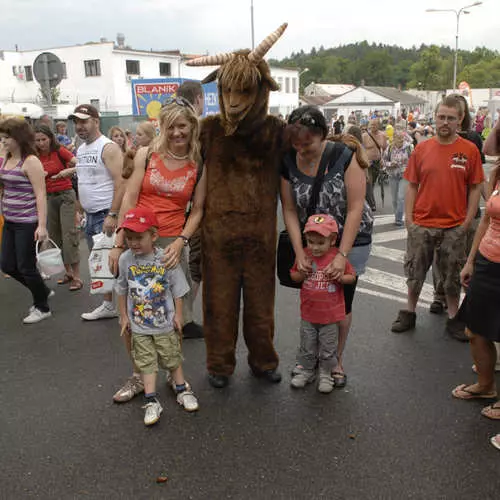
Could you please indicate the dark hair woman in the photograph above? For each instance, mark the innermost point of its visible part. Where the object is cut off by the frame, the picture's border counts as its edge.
(342, 196)
(24, 206)
(60, 165)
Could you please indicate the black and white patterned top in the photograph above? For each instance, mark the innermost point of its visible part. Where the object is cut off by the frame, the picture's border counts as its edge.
(332, 195)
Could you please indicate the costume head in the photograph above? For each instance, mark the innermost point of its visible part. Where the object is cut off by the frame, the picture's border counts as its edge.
(244, 82)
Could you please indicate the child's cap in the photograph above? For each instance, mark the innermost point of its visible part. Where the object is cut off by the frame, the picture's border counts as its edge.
(139, 220)
(323, 224)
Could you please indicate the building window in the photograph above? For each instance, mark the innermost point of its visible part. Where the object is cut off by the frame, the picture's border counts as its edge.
(92, 67)
(165, 69)
(14, 70)
(287, 85)
(133, 67)
(280, 82)
(64, 73)
(96, 104)
(294, 85)
(28, 73)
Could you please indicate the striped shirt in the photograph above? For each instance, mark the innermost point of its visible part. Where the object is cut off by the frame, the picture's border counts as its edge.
(18, 201)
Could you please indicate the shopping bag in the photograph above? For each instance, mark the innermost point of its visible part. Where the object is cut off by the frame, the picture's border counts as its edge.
(101, 278)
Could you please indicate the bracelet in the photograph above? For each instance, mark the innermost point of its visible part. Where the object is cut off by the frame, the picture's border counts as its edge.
(114, 215)
(119, 246)
(343, 254)
(185, 239)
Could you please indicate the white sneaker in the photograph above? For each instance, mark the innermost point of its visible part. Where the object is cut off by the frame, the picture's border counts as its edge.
(326, 382)
(302, 377)
(153, 412)
(188, 400)
(51, 294)
(35, 316)
(101, 312)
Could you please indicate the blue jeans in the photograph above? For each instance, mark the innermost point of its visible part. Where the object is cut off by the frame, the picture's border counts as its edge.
(94, 225)
(398, 191)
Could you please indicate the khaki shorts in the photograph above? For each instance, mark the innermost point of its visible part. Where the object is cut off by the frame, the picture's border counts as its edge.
(449, 247)
(152, 351)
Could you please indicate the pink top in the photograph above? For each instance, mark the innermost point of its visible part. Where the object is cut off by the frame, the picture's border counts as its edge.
(490, 244)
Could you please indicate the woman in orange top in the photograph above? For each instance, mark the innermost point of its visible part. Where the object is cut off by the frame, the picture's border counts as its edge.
(481, 277)
(166, 178)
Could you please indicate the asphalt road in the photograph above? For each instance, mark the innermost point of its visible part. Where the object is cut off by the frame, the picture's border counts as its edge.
(394, 432)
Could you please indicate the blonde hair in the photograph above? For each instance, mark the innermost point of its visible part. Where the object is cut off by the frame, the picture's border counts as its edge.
(148, 129)
(115, 129)
(168, 115)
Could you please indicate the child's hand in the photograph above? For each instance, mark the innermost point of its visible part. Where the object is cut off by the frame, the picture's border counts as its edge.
(125, 324)
(178, 323)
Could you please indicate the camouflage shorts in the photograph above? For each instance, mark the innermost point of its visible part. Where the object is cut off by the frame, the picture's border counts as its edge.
(449, 247)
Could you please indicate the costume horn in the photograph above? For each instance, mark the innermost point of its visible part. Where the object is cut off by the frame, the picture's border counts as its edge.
(263, 48)
(210, 60)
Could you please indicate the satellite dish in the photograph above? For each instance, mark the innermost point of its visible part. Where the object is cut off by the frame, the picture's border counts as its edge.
(48, 70)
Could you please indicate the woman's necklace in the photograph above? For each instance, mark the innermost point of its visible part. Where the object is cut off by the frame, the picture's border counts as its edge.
(177, 157)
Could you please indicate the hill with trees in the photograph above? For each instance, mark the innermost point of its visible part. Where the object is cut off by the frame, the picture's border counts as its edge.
(428, 67)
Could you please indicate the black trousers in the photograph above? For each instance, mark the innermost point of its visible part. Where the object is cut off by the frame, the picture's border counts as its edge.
(19, 260)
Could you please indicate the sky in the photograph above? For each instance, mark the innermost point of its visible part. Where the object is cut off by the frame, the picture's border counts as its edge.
(200, 26)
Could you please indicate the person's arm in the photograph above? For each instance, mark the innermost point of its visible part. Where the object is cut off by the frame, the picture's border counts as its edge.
(410, 197)
(292, 225)
(491, 146)
(70, 165)
(347, 279)
(124, 319)
(172, 254)
(472, 204)
(178, 315)
(355, 184)
(113, 160)
(36, 174)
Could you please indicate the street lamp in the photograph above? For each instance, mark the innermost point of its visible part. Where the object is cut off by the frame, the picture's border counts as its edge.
(251, 19)
(457, 13)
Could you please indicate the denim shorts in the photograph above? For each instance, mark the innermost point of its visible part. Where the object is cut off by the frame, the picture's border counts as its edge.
(94, 225)
(358, 257)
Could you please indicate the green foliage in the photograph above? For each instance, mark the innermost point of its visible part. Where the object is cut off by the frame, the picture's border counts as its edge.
(427, 67)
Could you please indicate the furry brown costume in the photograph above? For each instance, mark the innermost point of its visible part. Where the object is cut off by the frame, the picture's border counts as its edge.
(242, 147)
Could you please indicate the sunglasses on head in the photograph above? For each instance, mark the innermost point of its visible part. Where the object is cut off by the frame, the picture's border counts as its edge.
(307, 120)
(180, 101)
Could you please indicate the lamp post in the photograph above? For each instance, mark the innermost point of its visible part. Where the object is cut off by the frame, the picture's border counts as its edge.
(251, 19)
(457, 14)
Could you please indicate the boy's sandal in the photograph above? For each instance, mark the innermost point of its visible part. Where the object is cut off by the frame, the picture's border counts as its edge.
(67, 279)
(463, 391)
(76, 284)
(495, 441)
(492, 411)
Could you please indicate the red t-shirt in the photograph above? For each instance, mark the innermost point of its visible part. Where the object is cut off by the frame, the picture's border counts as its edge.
(167, 193)
(321, 299)
(53, 165)
(443, 173)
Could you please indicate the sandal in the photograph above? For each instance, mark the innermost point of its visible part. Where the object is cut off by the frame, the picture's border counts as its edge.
(75, 285)
(495, 441)
(64, 281)
(492, 411)
(340, 379)
(463, 392)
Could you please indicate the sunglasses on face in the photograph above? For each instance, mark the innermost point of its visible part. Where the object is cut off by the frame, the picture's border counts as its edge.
(180, 101)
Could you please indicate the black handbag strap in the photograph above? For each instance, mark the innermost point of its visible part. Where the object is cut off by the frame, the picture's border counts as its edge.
(318, 180)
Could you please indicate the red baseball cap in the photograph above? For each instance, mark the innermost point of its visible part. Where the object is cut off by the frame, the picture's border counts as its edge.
(139, 220)
(323, 224)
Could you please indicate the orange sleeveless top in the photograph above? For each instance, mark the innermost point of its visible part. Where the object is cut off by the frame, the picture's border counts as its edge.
(490, 244)
(167, 193)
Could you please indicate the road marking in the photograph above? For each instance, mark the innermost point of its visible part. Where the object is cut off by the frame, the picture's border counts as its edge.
(383, 220)
(396, 298)
(392, 254)
(386, 236)
(394, 283)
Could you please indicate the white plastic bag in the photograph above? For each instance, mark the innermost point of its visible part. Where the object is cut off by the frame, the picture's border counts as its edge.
(50, 260)
(101, 278)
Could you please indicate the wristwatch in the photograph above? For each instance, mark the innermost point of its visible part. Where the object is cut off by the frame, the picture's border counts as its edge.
(119, 246)
(114, 215)
(185, 239)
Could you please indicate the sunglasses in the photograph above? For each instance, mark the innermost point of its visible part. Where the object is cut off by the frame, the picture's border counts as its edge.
(180, 101)
(307, 120)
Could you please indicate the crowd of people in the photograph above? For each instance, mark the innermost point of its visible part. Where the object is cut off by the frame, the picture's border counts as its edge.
(153, 197)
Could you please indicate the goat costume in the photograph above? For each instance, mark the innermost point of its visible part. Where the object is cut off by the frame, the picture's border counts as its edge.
(242, 148)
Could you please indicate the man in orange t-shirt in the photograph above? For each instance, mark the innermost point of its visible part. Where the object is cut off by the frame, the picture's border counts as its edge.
(444, 174)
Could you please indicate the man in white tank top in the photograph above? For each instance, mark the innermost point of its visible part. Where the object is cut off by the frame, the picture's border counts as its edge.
(100, 187)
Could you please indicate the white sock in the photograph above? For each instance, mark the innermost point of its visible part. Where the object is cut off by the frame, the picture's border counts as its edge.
(107, 304)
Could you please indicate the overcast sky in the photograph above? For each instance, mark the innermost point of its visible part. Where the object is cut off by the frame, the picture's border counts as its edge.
(197, 26)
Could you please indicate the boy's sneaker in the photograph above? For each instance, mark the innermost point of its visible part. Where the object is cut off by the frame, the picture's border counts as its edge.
(188, 400)
(132, 387)
(153, 411)
(36, 316)
(302, 378)
(326, 382)
(101, 312)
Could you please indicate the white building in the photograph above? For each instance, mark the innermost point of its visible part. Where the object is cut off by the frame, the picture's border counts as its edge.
(99, 73)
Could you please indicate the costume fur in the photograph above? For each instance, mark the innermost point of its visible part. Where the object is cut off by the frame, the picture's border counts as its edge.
(242, 159)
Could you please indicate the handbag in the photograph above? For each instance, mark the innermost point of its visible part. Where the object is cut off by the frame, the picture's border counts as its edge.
(285, 257)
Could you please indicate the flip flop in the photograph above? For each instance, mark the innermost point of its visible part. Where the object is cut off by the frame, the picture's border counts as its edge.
(340, 379)
(462, 392)
(492, 411)
(75, 285)
(495, 441)
(67, 279)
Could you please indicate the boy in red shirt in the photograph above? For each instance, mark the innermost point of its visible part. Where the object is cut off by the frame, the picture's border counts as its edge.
(321, 305)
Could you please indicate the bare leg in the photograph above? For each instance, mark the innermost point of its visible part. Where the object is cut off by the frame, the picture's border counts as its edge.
(127, 340)
(344, 327)
(485, 356)
(149, 380)
(75, 271)
(452, 303)
(108, 297)
(69, 271)
(413, 300)
(178, 376)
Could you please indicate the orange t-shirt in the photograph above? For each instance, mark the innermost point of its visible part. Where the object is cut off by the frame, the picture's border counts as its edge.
(490, 244)
(167, 193)
(443, 173)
